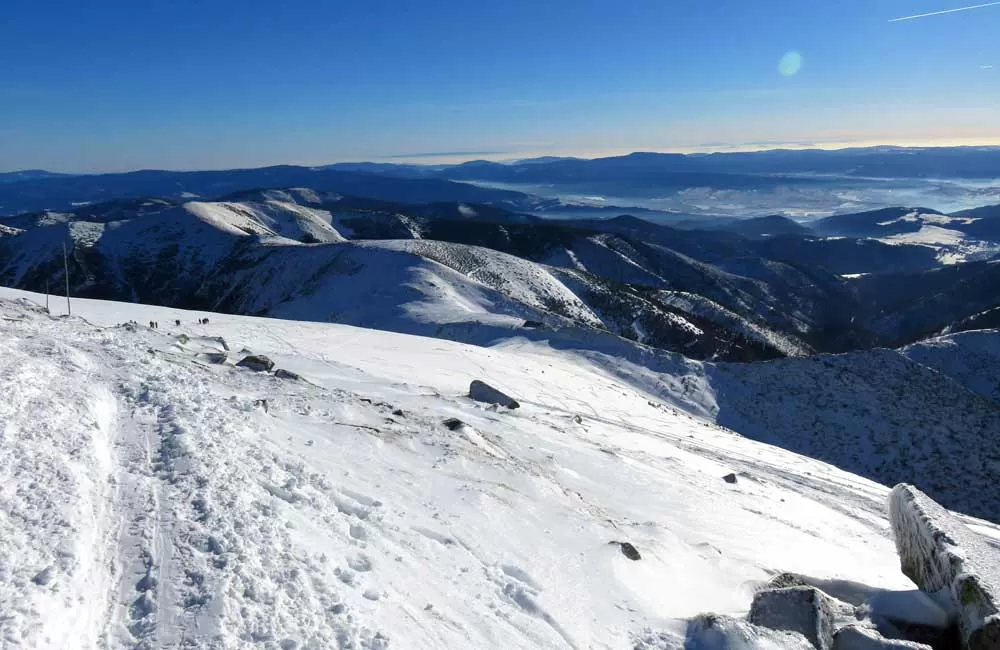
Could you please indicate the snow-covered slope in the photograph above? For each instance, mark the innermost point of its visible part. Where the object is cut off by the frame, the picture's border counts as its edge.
(970, 358)
(246, 254)
(876, 413)
(151, 499)
(955, 238)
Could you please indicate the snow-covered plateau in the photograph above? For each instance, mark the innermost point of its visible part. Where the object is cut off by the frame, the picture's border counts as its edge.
(154, 495)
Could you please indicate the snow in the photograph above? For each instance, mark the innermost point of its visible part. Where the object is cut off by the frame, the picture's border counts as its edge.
(278, 215)
(928, 235)
(150, 499)
(953, 246)
(929, 218)
(873, 412)
(970, 358)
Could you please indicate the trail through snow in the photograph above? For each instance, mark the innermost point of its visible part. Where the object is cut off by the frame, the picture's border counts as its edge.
(150, 499)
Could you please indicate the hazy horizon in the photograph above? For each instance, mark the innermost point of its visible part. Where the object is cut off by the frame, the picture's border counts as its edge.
(456, 157)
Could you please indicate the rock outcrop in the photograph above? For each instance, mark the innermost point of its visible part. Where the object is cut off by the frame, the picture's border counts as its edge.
(860, 637)
(805, 610)
(941, 555)
(483, 392)
(257, 362)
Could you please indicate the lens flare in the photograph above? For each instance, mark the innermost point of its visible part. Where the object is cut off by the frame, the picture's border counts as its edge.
(790, 64)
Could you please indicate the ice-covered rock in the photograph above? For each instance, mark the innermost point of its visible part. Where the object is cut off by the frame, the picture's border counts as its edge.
(941, 555)
(805, 610)
(714, 632)
(213, 357)
(861, 637)
(483, 392)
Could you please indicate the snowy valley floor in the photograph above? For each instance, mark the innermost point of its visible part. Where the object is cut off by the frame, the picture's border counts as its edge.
(151, 499)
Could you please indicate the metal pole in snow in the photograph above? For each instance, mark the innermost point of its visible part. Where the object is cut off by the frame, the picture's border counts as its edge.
(69, 308)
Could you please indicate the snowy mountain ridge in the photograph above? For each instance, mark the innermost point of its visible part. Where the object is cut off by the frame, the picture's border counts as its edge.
(229, 254)
(746, 297)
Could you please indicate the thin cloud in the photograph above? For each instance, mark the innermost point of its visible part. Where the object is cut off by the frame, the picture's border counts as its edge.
(945, 11)
(445, 154)
(986, 67)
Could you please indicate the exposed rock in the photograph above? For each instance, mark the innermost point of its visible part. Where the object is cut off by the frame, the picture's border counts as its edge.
(398, 413)
(257, 362)
(860, 637)
(454, 424)
(729, 478)
(805, 610)
(715, 632)
(940, 554)
(483, 392)
(533, 324)
(183, 339)
(785, 580)
(214, 357)
(281, 373)
(44, 576)
(629, 551)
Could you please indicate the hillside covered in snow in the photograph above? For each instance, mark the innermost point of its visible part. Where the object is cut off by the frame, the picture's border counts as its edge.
(449, 269)
(155, 495)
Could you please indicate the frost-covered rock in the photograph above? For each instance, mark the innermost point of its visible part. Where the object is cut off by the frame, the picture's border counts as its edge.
(213, 357)
(257, 362)
(483, 392)
(860, 637)
(714, 632)
(805, 610)
(941, 555)
(281, 373)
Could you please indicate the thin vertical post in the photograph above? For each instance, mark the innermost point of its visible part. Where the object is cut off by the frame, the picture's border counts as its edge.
(46, 295)
(69, 308)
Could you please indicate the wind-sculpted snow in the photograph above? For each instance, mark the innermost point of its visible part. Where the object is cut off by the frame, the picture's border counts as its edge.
(529, 283)
(150, 498)
(277, 214)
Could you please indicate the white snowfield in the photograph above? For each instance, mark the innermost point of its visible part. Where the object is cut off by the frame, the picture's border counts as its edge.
(152, 499)
(953, 246)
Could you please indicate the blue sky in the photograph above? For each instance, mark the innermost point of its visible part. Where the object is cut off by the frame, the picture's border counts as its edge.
(106, 85)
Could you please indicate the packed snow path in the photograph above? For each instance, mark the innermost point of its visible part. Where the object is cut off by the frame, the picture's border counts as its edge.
(152, 499)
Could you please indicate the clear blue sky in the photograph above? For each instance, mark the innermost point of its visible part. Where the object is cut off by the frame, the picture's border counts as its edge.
(125, 84)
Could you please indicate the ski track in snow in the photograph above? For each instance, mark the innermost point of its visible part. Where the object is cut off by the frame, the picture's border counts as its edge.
(151, 500)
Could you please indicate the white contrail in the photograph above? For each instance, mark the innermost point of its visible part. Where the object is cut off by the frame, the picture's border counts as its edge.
(946, 11)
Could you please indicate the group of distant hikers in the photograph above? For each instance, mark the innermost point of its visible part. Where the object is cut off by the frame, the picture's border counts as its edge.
(154, 325)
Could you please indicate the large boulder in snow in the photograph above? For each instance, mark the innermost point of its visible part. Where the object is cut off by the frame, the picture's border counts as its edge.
(257, 362)
(715, 632)
(860, 637)
(483, 392)
(941, 555)
(805, 610)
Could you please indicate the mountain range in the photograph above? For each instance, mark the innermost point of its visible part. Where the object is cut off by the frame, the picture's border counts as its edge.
(735, 291)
